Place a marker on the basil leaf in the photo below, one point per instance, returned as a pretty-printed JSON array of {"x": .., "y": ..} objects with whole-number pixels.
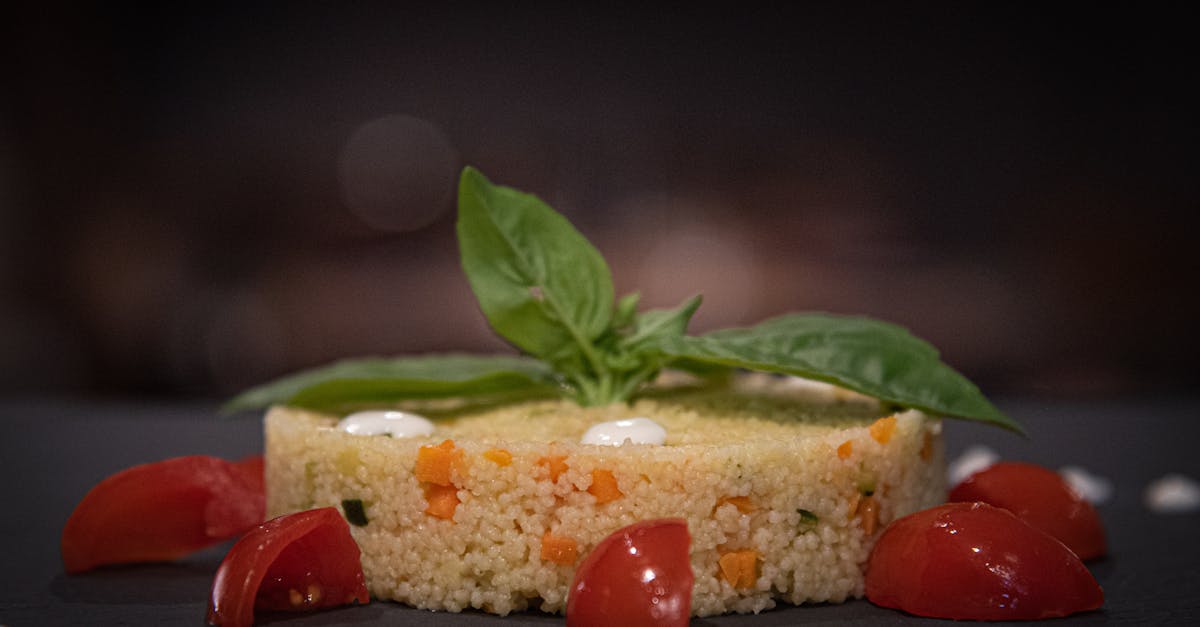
[
  {"x": 392, "y": 379},
  {"x": 652, "y": 327},
  {"x": 540, "y": 283},
  {"x": 845, "y": 326},
  {"x": 626, "y": 309},
  {"x": 872, "y": 357},
  {"x": 640, "y": 347},
  {"x": 703, "y": 369}
]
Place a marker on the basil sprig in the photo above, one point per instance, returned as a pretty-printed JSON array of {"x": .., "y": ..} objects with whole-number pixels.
[
  {"x": 861, "y": 354},
  {"x": 548, "y": 291},
  {"x": 384, "y": 380}
]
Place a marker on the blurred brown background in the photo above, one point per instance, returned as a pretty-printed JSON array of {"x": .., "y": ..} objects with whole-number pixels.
[{"x": 195, "y": 199}]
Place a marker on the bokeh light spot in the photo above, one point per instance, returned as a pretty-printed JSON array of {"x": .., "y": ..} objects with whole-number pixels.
[{"x": 397, "y": 173}]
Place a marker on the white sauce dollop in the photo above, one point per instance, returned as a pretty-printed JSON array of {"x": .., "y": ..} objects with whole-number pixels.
[
  {"x": 397, "y": 424},
  {"x": 617, "y": 432},
  {"x": 1173, "y": 494},
  {"x": 972, "y": 460},
  {"x": 818, "y": 390},
  {"x": 1093, "y": 488}
]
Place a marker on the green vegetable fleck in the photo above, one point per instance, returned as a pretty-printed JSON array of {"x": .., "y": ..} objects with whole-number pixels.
[
  {"x": 356, "y": 513},
  {"x": 866, "y": 483},
  {"x": 548, "y": 291},
  {"x": 808, "y": 520}
]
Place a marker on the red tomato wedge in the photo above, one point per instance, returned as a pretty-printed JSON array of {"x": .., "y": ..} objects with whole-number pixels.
[
  {"x": 298, "y": 562},
  {"x": 639, "y": 575},
  {"x": 1042, "y": 498},
  {"x": 974, "y": 561},
  {"x": 252, "y": 469},
  {"x": 163, "y": 510}
]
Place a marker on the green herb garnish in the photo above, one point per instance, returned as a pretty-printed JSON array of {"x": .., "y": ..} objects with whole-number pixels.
[
  {"x": 382, "y": 380},
  {"x": 808, "y": 520},
  {"x": 548, "y": 291},
  {"x": 356, "y": 513}
]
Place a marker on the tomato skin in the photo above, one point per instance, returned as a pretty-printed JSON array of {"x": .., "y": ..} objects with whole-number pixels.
[
  {"x": 253, "y": 469},
  {"x": 638, "y": 575},
  {"x": 1042, "y": 498},
  {"x": 974, "y": 561},
  {"x": 161, "y": 511},
  {"x": 297, "y": 562}
]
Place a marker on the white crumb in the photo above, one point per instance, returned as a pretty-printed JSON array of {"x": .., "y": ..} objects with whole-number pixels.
[
  {"x": 1093, "y": 488},
  {"x": 972, "y": 460},
  {"x": 1172, "y": 494}
]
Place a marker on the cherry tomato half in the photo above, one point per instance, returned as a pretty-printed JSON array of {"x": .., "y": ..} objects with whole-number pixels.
[
  {"x": 252, "y": 468},
  {"x": 163, "y": 510},
  {"x": 1040, "y": 497},
  {"x": 298, "y": 562},
  {"x": 977, "y": 562},
  {"x": 638, "y": 575}
]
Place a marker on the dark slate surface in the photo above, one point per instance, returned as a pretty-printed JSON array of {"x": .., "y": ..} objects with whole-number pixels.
[{"x": 52, "y": 452}]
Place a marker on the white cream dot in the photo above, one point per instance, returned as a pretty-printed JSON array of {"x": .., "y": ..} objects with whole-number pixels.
[
  {"x": 1172, "y": 494},
  {"x": 397, "y": 424},
  {"x": 637, "y": 430}
]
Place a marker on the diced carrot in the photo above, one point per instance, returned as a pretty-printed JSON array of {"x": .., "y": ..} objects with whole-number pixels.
[
  {"x": 500, "y": 456},
  {"x": 604, "y": 487},
  {"x": 742, "y": 503},
  {"x": 559, "y": 549},
  {"x": 435, "y": 463},
  {"x": 927, "y": 446},
  {"x": 556, "y": 464},
  {"x": 739, "y": 568},
  {"x": 845, "y": 449},
  {"x": 852, "y": 509},
  {"x": 868, "y": 514},
  {"x": 882, "y": 429},
  {"x": 441, "y": 500}
]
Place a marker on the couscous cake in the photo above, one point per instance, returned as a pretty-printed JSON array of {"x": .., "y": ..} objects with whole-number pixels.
[{"x": 784, "y": 491}]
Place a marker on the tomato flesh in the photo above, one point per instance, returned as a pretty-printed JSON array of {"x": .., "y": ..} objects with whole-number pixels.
[
  {"x": 977, "y": 562},
  {"x": 638, "y": 575},
  {"x": 298, "y": 562},
  {"x": 162, "y": 511},
  {"x": 1042, "y": 498}
]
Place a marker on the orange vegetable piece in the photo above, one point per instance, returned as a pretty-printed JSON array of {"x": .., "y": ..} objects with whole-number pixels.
[
  {"x": 604, "y": 487},
  {"x": 868, "y": 514},
  {"x": 559, "y": 549},
  {"x": 845, "y": 449},
  {"x": 500, "y": 456},
  {"x": 555, "y": 463},
  {"x": 882, "y": 429},
  {"x": 435, "y": 463},
  {"x": 742, "y": 503},
  {"x": 441, "y": 501},
  {"x": 739, "y": 568}
]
